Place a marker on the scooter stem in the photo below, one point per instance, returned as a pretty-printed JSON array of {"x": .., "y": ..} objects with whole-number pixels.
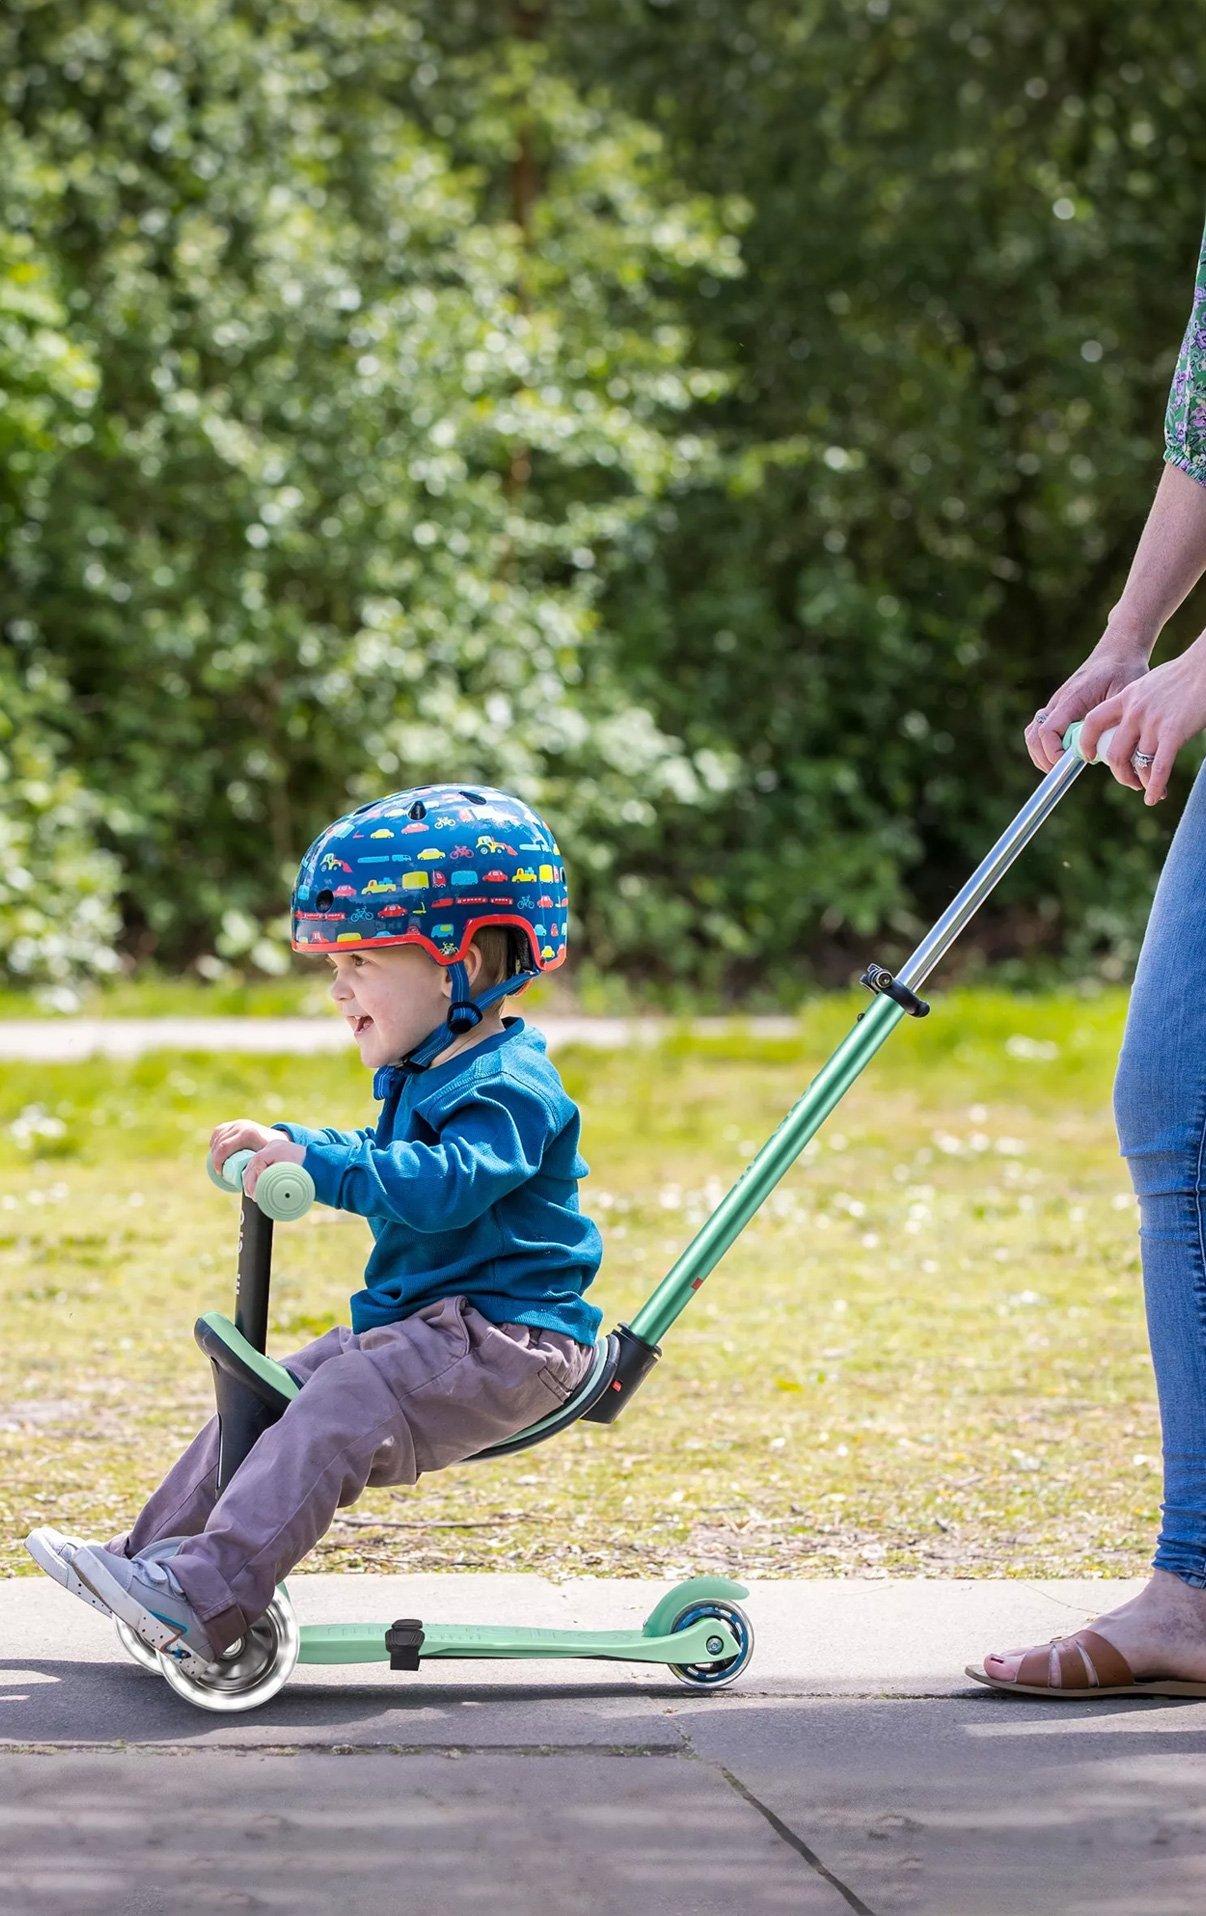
[
  {"x": 1038, "y": 807},
  {"x": 834, "y": 1079}
]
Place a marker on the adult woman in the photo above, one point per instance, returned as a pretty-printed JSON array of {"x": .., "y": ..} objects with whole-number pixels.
[{"x": 1157, "y": 1641}]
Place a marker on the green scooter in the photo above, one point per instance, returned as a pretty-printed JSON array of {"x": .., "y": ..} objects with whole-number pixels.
[{"x": 697, "y": 1630}]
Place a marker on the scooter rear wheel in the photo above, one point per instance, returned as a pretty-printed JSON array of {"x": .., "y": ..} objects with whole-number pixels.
[
  {"x": 726, "y": 1670},
  {"x": 250, "y": 1672},
  {"x": 134, "y": 1646}
]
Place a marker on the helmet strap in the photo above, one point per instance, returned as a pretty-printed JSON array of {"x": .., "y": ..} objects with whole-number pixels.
[{"x": 464, "y": 1013}]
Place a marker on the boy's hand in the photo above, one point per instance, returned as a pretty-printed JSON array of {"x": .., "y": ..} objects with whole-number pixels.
[
  {"x": 281, "y": 1150},
  {"x": 244, "y": 1134},
  {"x": 241, "y": 1134}
]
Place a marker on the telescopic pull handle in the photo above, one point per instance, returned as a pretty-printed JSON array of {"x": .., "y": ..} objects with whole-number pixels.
[
  {"x": 282, "y": 1191},
  {"x": 1072, "y": 742}
]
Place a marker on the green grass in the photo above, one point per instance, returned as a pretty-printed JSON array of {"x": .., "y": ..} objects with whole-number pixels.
[{"x": 925, "y": 1355}]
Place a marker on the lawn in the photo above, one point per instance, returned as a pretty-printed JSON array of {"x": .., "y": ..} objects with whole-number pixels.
[{"x": 925, "y": 1355}]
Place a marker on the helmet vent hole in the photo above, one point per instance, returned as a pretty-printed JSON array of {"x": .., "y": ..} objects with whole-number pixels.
[
  {"x": 324, "y": 901},
  {"x": 417, "y": 810},
  {"x": 475, "y": 798}
]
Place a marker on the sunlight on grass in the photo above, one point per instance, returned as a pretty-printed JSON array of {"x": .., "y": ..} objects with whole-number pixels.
[{"x": 924, "y": 1355}]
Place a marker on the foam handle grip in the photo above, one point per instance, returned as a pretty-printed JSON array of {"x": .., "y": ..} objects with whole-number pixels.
[
  {"x": 283, "y": 1191},
  {"x": 230, "y": 1177},
  {"x": 1072, "y": 742}
]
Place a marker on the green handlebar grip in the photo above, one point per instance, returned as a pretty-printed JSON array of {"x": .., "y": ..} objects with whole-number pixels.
[
  {"x": 230, "y": 1177},
  {"x": 1072, "y": 742},
  {"x": 283, "y": 1191}
]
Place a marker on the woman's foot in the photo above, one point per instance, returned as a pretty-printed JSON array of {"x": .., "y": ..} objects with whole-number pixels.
[{"x": 1161, "y": 1633}]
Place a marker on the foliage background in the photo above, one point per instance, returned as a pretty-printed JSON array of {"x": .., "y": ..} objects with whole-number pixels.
[{"x": 723, "y": 424}]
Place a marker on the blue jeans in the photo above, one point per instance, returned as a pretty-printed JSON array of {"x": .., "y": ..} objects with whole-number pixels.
[{"x": 1160, "y": 1114}]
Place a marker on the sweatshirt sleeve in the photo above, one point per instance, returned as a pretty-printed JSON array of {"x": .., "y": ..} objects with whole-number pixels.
[
  {"x": 302, "y": 1134},
  {"x": 1185, "y": 415},
  {"x": 490, "y": 1142}
]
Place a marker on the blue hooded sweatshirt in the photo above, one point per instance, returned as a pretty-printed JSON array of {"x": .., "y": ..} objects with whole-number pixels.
[{"x": 469, "y": 1184}]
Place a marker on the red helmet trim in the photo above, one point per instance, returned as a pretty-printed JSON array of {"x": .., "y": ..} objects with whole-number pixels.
[{"x": 433, "y": 951}]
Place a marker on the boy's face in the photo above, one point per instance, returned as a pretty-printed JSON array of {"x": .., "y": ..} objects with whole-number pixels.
[{"x": 391, "y": 996}]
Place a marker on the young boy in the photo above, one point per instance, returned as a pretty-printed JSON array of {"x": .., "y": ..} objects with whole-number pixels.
[{"x": 431, "y": 905}]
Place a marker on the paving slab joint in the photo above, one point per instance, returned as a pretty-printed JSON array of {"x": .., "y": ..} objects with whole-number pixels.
[
  {"x": 789, "y": 1836},
  {"x": 782, "y": 1830},
  {"x": 213, "y": 1746}
]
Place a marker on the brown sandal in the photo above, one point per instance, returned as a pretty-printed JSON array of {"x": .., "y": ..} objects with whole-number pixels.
[{"x": 1083, "y": 1666}]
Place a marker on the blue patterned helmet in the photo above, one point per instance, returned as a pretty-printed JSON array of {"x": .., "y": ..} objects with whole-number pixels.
[{"x": 428, "y": 867}]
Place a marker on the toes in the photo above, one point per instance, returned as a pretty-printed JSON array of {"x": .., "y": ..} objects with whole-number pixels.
[{"x": 1005, "y": 1667}]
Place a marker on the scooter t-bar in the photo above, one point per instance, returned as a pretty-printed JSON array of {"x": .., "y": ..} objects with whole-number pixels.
[{"x": 895, "y": 995}]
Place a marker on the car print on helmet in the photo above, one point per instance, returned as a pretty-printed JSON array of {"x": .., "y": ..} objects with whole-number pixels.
[{"x": 468, "y": 890}]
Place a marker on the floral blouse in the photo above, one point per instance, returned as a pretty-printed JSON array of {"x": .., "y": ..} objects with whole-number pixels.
[{"x": 1185, "y": 419}]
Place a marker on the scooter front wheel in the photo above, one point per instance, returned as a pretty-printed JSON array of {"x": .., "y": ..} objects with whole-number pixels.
[
  {"x": 726, "y": 1670},
  {"x": 250, "y": 1672}
]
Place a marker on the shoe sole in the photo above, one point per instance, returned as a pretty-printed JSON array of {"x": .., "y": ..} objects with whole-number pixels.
[
  {"x": 1088, "y": 1692},
  {"x": 161, "y": 1636},
  {"x": 46, "y": 1556}
]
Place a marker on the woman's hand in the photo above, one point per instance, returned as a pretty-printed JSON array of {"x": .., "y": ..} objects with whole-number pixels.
[
  {"x": 1154, "y": 714},
  {"x": 1114, "y": 663}
]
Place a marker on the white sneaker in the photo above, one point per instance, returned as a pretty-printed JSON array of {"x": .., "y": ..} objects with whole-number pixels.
[
  {"x": 144, "y": 1593},
  {"x": 53, "y": 1553}
]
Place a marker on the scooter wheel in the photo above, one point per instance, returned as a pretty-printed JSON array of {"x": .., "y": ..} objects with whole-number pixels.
[
  {"x": 134, "y": 1646},
  {"x": 715, "y": 1676},
  {"x": 250, "y": 1672}
]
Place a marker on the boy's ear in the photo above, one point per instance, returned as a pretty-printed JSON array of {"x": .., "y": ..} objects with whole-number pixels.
[{"x": 473, "y": 965}]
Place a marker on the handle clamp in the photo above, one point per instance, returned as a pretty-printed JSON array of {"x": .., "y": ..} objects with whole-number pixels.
[{"x": 879, "y": 978}]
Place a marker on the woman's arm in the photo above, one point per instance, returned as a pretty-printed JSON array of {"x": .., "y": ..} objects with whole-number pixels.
[{"x": 1169, "y": 560}]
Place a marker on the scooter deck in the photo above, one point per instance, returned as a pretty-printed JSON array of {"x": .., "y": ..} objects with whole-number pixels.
[{"x": 709, "y": 1640}]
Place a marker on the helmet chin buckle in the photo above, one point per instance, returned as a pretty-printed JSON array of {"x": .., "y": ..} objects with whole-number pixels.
[{"x": 463, "y": 1015}]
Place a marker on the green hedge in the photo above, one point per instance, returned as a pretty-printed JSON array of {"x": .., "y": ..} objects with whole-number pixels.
[{"x": 722, "y": 424}]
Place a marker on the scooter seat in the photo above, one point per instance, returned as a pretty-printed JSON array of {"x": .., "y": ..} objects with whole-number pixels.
[
  {"x": 230, "y": 1351},
  {"x": 251, "y": 1390}
]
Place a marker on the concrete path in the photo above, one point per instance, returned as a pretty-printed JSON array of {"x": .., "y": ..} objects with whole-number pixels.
[
  {"x": 853, "y": 1768},
  {"x": 66, "y": 1039}
]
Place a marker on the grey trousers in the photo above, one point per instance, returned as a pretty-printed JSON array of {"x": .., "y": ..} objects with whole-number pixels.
[{"x": 376, "y": 1407}]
